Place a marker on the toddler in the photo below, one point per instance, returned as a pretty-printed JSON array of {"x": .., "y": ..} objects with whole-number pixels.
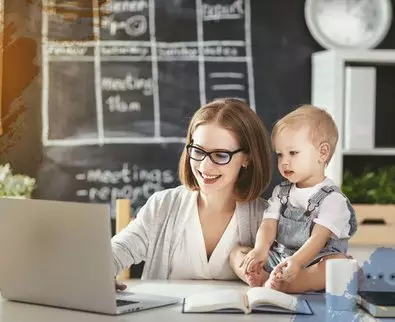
[{"x": 308, "y": 220}]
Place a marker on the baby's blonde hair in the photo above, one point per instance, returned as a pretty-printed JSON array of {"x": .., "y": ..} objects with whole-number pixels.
[{"x": 322, "y": 127}]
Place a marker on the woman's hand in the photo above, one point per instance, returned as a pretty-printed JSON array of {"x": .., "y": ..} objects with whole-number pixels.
[
  {"x": 120, "y": 286},
  {"x": 287, "y": 270},
  {"x": 254, "y": 260}
]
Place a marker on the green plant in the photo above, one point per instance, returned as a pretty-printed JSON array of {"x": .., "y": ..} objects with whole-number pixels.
[
  {"x": 13, "y": 185},
  {"x": 373, "y": 187}
]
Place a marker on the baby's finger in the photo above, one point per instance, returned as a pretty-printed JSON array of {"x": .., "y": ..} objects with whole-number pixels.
[
  {"x": 257, "y": 267},
  {"x": 288, "y": 275},
  {"x": 245, "y": 260},
  {"x": 245, "y": 265},
  {"x": 250, "y": 265},
  {"x": 288, "y": 278},
  {"x": 277, "y": 270},
  {"x": 282, "y": 265}
]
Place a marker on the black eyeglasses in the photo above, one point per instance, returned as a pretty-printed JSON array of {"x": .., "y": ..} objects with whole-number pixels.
[{"x": 220, "y": 157}]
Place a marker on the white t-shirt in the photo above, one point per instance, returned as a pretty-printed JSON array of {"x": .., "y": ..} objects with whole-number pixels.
[
  {"x": 333, "y": 213},
  {"x": 190, "y": 257}
]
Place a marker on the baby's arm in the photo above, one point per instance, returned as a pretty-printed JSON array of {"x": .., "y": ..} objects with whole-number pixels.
[
  {"x": 332, "y": 221},
  {"x": 257, "y": 257},
  {"x": 318, "y": 239},
  {"x": 289, "y": 269},
  {"x": 268, "y": 228},
  {"x": 265, "y": 235}
]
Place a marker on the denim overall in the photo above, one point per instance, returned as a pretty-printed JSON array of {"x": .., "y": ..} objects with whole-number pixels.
[{"x": 296, "y": 224}]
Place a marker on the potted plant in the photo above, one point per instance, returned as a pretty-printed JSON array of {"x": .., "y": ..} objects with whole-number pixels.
[
  {"x": 372, "y": 195},
  {"x": 15, "y": 185}
]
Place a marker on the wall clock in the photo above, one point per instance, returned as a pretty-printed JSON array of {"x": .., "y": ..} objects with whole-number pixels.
[{"x": 348, "y": 24}]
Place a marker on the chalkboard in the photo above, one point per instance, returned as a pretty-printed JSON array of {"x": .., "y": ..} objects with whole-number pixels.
[
  {"x": 271, "y": 70},
  {"x": 120, "y": 85}
]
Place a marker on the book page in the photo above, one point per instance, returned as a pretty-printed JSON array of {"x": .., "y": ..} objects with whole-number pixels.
[
  {"x": 215, "y": 300},
  {"x": 264, "y": 295}
]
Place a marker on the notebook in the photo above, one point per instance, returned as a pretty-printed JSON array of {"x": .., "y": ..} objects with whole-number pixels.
[
  {"x": 255, "y": 300},
  {"x": 378, "y": 303}
]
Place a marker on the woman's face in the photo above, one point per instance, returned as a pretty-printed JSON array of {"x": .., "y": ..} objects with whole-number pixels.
[{"x": 210, "y": 176}]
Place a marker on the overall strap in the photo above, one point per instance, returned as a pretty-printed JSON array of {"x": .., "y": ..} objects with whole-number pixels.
[
  {"x": 283, "y": 194},
  {"x": 353, "y": 219},
  {"x": 316, "y": 199}
]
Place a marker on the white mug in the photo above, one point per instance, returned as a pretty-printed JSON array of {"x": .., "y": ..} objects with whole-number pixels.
[{"x": 341, "y": 284}]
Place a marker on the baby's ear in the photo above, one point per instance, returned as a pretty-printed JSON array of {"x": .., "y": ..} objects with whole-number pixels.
[{"x": 324, "y": 151}]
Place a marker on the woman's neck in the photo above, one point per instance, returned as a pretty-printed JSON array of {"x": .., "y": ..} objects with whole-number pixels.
[{"x": 217, "y": 203}]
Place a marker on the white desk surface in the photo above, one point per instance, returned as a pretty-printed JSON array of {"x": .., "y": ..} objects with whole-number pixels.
[{"x": 20, "y": 312}]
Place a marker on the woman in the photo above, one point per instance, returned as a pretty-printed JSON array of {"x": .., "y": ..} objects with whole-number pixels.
[{"x": 187, "y": 232}]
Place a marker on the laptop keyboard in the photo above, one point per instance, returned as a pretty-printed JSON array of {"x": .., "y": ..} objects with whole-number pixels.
[{"x": 124, "y": 302}]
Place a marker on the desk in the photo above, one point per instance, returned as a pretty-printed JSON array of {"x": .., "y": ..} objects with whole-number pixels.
[{"x": 20, "y": 312}]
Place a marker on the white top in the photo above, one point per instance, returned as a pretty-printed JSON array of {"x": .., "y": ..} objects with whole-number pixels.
[
  {"x": 190, "y": 256},
  {"x": 333, "y": 212},
  {"x": 155, "y": 234}
]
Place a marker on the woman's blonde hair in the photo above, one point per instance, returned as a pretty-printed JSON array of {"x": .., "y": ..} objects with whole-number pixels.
[
  {"x": 237, "y": 117},
  {"x": 322, "y": 127}
]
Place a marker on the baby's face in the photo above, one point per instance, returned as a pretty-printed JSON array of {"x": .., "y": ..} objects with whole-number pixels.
[{"x": 298, "y": 159}]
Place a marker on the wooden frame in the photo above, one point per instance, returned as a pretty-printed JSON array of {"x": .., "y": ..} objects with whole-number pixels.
[
  {"x": 122, "y": 219},
  {"x": 376, "y": 225},
  {"x": 1, "y": 60}
]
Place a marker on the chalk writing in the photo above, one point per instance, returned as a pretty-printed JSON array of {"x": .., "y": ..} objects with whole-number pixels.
[
  {"x": 234, "y": 10},
  {"x": 220, "y": 51},
  {"x": 124, "y": 50},
  {"x": 178, "y": 51},
  {"x": 116, "y": 104},
  {"x": 67, "y": 49},
  {"x": 129, "y": 83},
  {"x": 133, "y": 26},
  {"x": 125, "y": 6},
  {"x": 131, "y": 183}
]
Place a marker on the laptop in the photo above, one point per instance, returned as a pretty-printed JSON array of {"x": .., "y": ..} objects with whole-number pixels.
[{"x": 58, "y": 253}]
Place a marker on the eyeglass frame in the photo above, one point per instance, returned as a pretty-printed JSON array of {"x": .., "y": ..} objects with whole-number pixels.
[{"x": 230, "y": 153}]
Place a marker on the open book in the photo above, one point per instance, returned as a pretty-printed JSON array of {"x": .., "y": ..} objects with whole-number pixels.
[{"x": 256, "y": 299}]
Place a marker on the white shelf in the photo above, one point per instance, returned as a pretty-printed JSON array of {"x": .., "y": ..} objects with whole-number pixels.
[
  {"x": 374, "y": 151},
  {"x": 329, "y": 90},
  {"x": 375, "y": 56}
]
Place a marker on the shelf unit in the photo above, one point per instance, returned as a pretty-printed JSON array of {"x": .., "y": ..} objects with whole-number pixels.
[{"x": 330, "y": 90}]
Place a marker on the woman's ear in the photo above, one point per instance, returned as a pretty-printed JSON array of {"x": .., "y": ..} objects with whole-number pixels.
[
  {"x": 324, "y": 151},
  {"x": 245, "y": 163}
]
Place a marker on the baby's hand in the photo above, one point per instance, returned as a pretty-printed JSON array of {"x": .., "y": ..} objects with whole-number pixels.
[
  {"x": 277, "y": 273},
  {"x": 255, "y": 279},
  {"x": 254, "y": 260},
  {"x": 287, "y": 270}
]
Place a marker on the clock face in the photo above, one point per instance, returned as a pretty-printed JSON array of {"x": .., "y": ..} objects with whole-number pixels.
[{"x": 348, "y": 23}]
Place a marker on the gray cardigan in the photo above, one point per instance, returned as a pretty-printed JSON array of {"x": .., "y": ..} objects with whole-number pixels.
[{"x": 154, "y": 235}]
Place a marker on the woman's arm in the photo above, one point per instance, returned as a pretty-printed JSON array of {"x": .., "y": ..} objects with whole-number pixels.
[{"x": 130, "y": 245}]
